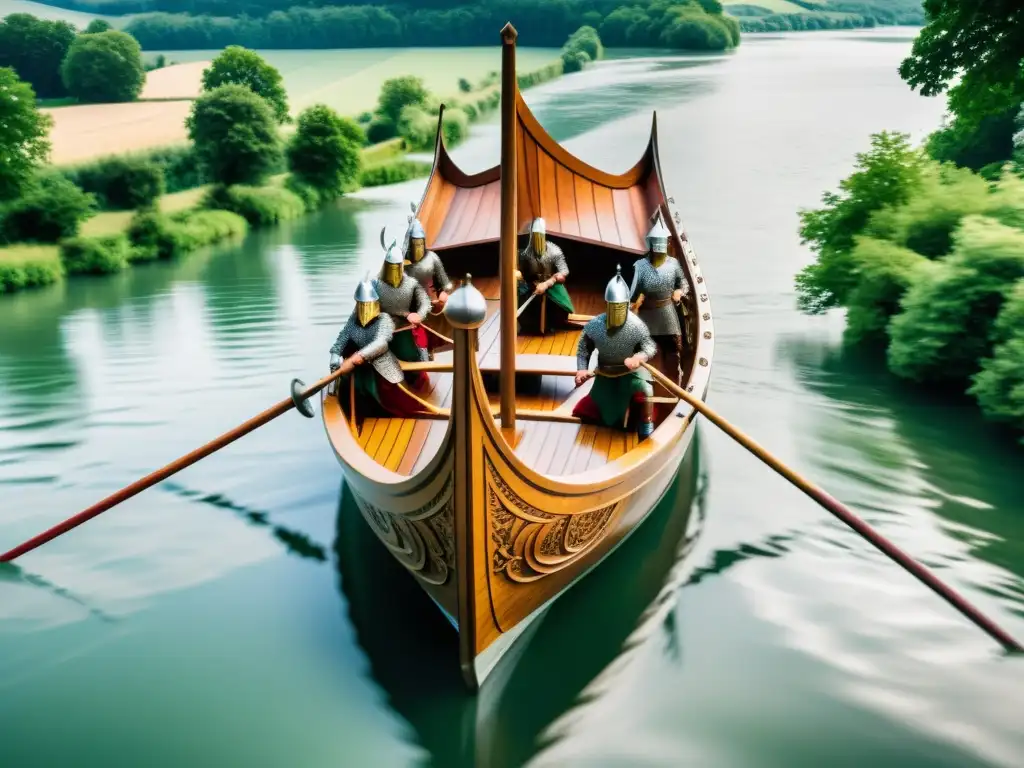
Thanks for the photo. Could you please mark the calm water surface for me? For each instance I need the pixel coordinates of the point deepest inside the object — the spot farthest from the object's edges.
(239, 615)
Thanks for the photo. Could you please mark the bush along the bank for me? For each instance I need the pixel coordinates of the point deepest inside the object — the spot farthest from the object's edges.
(928, 261)
(393, 172)
(28, 266)
(95, 255)
(259, 206)
(155, 235)
(121, 182)
(50, 208)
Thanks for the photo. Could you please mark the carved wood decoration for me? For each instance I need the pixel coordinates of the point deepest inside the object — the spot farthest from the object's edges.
(422, 540)
(529, 544)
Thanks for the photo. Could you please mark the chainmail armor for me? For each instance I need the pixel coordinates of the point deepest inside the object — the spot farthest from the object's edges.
(372, 343)
(408, 297)
(428, 269)
(613, 348)
(657, 284)
(537, 269)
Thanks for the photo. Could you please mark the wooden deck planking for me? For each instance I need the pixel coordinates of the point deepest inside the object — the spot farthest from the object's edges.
(417, 441)
(400, 444)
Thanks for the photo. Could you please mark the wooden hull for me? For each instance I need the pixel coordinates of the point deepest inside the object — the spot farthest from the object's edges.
(621, 609)
(489, 522)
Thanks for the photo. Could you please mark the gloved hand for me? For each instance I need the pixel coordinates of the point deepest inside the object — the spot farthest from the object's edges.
(335, 363)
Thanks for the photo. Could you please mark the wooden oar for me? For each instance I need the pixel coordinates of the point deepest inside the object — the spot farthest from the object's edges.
(299, 399)
(525, 304)
(428, 329)
(838, 509)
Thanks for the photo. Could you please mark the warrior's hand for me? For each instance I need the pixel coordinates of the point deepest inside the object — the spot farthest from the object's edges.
(559, 278)
(677, 295)
(542, 288)
(582, 377)
(413, 318)
(442, 298)
(335, 363)
(357, 359)
(519, 275)
(634, 362)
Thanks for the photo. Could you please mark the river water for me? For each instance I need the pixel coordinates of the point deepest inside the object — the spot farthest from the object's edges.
(236, 615)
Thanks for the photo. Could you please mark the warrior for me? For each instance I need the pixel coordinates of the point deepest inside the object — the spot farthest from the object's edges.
(404, 299)
(659, 278)
(425, 266)
(623, 344)
(364, 340)
(542, 271)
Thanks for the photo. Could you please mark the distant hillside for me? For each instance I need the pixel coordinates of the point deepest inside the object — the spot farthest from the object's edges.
(80, 19)
(800, 15)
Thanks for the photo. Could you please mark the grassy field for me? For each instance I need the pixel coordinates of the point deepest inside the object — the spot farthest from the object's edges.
(775, 6)
(347, 80)
(50, 13)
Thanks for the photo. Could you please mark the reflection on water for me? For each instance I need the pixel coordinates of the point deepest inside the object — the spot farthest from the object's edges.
(201, 623)
(607, 617)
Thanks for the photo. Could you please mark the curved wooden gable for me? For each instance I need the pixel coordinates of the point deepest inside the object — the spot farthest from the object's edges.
(577, 201)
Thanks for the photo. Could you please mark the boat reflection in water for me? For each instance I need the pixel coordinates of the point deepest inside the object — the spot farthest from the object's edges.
(611, 612)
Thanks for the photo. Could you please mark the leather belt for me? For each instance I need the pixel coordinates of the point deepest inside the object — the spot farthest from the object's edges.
(659, 303)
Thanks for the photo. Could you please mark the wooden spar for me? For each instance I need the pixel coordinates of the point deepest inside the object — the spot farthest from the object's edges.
(840, 510)
(509, 227)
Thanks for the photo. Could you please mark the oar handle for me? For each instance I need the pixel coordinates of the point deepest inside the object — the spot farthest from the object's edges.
(428, 329)
(525, 304)
(838, 509)
(164, 472)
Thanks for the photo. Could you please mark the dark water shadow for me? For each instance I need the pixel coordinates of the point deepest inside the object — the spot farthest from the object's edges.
(973, 467)
(413, 650)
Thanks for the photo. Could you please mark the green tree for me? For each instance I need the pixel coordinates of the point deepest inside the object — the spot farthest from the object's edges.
(322, 152)
(105, 67)
(574, 61)
(244, 67)
(982, 42)
(35, 49)
(999, 386)
(587, 40)
(886, 175)
(235, 135)
(23, 134)
(946, 327)
(49, 209)
(398, 93)
(96, 26)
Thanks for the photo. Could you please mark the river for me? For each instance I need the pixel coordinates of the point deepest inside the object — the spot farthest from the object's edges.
(226, 618)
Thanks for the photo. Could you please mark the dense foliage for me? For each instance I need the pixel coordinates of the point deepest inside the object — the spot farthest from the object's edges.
(159, 236)
(104, 67)
(101, 255)
(260, 206)
(35, 50)
(244, 67)
(836, 14)
(324, 153)
(23, 134)
(982, 43)
(926, 259)
(122, 182)
(180, 168)
(49, 208)
(692, 24)
(235, 135)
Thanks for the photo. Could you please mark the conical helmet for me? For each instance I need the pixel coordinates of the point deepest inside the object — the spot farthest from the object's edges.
(538, 235)
(367, 301)
(393, 263)
(417, 246)
(616, 296)
(657, 238)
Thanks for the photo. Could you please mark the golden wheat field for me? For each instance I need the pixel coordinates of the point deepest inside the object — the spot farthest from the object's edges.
(347, 80)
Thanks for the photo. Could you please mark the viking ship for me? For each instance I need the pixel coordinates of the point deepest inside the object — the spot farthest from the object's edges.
(494, 496)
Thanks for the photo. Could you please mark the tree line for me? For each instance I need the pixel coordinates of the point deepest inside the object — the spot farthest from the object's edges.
(685, 24)
(99, 65)
(924, 253)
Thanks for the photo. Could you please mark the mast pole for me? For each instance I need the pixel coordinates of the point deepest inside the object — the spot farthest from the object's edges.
(509, 226)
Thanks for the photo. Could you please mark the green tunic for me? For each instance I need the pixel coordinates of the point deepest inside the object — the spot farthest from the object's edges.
(403, 346)
(366, 382)
(613, 396)
(559, 297)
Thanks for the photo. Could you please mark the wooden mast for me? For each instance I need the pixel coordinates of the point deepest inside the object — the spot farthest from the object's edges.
(509, 227)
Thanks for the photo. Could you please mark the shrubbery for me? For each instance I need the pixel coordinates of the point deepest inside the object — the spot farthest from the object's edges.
(259, 206)
(95, 255)
(49, 209)
(393, 172)
(28, 266)
(122, 182)
(927, 260)
(159, 236)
